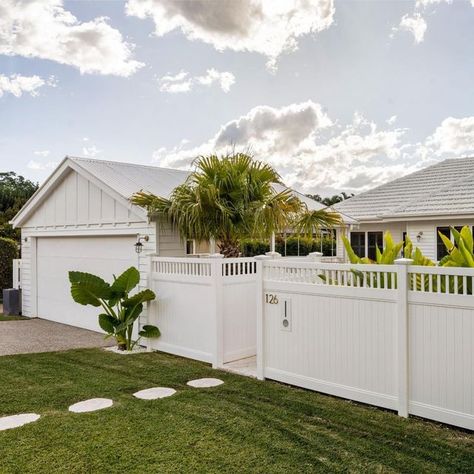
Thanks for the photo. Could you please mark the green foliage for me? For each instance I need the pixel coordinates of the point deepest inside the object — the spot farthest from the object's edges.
(8, 252)
(121, 310)
(14, 192)
(331, 200)
(460, 253)
(294, 246)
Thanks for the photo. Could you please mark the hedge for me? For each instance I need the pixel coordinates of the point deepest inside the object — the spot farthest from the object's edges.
(253, 247)
(8, 251)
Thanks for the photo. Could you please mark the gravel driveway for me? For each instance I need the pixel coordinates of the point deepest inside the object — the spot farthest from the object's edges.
(39, 335)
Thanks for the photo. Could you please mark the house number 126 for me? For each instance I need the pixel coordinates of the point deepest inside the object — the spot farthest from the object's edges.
(271, 299)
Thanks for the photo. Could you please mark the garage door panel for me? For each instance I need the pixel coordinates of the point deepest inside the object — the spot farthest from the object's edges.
(103, 256)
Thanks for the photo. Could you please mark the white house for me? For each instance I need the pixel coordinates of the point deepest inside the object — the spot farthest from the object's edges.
(81, 219)
(418, 205)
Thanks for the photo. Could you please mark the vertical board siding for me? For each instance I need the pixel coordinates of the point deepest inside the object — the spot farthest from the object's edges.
(442, 359)
(194, 294)
(337, 345)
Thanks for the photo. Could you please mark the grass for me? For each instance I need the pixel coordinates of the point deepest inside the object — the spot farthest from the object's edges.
(4, 317)
(241, 426)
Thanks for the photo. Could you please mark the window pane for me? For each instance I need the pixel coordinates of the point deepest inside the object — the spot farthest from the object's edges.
(404, 239)
(441, 250)
(374, 240)
(358, 243)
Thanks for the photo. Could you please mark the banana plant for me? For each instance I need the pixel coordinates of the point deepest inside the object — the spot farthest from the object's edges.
(387, 256)
(460, 254)
(120, 309)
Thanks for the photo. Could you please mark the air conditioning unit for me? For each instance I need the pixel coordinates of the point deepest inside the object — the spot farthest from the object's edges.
(11, 302)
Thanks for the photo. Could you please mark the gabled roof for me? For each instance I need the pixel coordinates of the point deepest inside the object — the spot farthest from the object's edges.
(122, 180)
(446, 188)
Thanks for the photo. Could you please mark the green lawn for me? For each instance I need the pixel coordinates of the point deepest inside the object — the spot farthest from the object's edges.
(10, 318)
(241, 426)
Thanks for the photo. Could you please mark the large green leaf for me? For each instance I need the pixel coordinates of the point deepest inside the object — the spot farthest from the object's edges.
(124, 283)
(141, 297)
(150, 331)
(108, 323)
(88, 289)
(131, 313)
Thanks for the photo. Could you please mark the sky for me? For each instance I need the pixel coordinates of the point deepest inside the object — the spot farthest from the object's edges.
(338, 95)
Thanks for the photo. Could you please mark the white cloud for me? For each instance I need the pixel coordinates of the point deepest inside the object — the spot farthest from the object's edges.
(453, 136)
(43, 153)
(182, 82)
(310, 150)
(37, 166)
(18, 85)
(44, 29)
(392, 120)
(268, 27)
(415, 24)
(90, 151)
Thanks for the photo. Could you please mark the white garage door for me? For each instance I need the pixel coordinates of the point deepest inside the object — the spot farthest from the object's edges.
(102, 256)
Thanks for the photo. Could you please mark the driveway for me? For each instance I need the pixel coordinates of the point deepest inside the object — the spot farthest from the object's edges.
(39, 335)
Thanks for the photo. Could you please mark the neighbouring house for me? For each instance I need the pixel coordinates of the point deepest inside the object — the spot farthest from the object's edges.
(418, 205)
(81, 219)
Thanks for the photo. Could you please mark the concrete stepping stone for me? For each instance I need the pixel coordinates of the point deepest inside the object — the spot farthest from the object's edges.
(15, 421)
(205, 383)
(93, 404)
(154, 393)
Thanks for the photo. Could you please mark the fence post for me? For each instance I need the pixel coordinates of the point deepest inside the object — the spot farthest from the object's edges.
(218, 309)
(402, 334)
(260, 314)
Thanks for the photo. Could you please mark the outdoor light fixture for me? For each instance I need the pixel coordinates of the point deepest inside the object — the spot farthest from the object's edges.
(419, 236)
(138, 244)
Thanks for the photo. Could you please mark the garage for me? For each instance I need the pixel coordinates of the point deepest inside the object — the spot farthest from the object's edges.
(56, 256)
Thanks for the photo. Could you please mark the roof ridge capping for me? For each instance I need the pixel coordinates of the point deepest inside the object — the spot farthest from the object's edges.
(123, 163)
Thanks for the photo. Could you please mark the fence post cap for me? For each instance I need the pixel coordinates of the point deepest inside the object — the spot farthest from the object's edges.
(216, 255)
(404, 261)
(273, 254)
(315, 254)
(262, 257)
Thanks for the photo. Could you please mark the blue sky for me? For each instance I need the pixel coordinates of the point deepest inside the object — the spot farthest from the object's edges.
(337, 95)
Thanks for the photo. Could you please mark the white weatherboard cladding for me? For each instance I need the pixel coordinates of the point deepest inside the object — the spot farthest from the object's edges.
(77, 201)
(56, 256)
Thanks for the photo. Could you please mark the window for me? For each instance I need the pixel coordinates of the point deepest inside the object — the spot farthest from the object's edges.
(374, 240)
(358, 243)
(328, 235)
(190, 247)
(441, 250)
(404, 239)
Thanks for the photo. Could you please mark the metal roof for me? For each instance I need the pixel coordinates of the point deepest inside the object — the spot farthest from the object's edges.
(128, 178)
(446, 188)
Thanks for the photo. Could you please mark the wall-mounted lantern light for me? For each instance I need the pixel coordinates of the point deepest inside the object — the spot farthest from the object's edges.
(138, 244)
(419, 236)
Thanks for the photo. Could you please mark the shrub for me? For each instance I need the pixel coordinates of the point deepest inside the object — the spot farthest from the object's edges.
(8, 251)
(294, 246)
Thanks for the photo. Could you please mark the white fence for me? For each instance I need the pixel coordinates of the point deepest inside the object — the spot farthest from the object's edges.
(396, 336)
(16, 273)
(205, 308)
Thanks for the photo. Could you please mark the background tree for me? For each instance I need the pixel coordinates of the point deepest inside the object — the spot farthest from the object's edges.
(227, 199)
(14, 192)
(329, 201)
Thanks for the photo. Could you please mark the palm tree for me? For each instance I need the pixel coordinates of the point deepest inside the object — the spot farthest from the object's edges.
(226, 199)
(308, 223)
